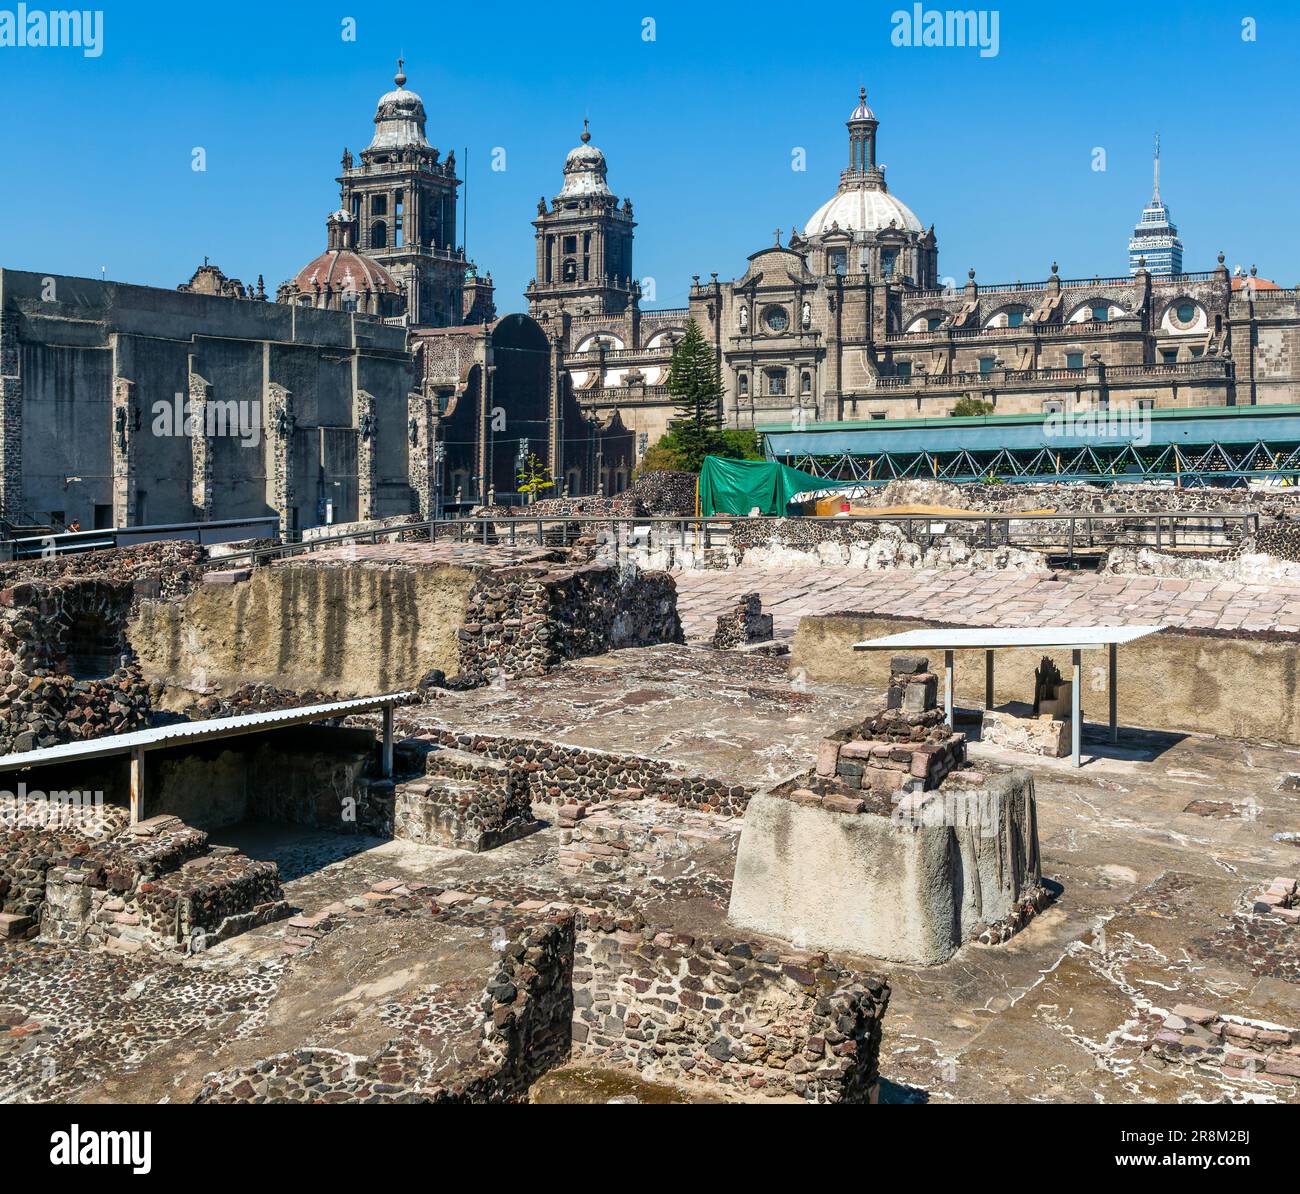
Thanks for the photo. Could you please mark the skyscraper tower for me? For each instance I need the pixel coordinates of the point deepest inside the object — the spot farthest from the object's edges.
(1155, 239)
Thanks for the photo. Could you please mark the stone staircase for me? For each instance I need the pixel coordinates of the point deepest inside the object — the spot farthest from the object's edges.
(158, 885)
(454, 798)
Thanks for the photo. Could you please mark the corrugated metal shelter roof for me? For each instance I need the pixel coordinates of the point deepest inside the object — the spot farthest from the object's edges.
(196, 731)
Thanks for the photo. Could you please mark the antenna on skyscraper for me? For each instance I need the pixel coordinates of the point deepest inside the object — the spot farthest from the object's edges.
(1156, 191)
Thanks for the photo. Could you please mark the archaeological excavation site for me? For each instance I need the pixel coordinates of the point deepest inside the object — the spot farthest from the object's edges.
(590, 802)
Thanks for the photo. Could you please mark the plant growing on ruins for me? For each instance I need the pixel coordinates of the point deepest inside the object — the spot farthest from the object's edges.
(695, 382)
(534, 478)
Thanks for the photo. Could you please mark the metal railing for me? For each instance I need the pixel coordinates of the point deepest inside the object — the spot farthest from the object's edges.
(1067, 534)
(69, 542)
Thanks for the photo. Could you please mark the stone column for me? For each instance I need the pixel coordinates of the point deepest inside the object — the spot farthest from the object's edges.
(486, 432)
(555, 425)
(282, 493)
(421, 474)
(196, 424)
(123, 452)
(363, 406)
(11, 421)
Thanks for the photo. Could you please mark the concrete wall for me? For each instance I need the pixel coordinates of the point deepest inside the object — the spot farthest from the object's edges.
(871, 885)
(1238, 687)
(69, 341)
(355, 630)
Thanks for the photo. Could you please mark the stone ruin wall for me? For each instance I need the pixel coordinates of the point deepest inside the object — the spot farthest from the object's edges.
(739, 1015)
(523, 621)
(43, 702)
(659, 493)
(341, 629)
(346, 628)
(157, 886)
(568, 775)
(153, 886)
(523, 1026)
(597, 987)
(459, 799)
(1074, 496)
(892, 846)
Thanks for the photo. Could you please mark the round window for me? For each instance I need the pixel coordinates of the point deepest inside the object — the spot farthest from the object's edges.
(775, 319)
(1186, 312)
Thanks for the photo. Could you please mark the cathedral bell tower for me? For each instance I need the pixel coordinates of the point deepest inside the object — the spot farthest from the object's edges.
(584, 243)
(402, 197)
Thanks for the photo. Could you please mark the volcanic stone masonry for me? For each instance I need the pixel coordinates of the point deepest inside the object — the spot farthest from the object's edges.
(69, 670)
(461, 800)
(1238, 1048)
(593, 985)
(154, 885)
(745, 624)
(1281, 900)
(891, 846)
(522, 621)
(741, 1015)
(569, 775)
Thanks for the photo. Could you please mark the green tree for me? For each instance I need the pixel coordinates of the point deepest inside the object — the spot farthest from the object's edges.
(662, 455)
(741, 445)
(695, 382)
(970, 407)
(534, 478)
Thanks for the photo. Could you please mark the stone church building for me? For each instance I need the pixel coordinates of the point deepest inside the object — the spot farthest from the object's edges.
(850, 319)
(382, 380)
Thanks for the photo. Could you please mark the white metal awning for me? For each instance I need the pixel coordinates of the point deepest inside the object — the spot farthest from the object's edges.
(989, 638)
(184, 732)
(138, 742)
(1075, 639)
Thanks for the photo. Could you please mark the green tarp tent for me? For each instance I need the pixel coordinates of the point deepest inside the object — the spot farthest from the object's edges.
(737, 486)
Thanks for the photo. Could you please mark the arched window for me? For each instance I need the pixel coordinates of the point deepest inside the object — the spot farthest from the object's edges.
(379, 235)
(805, 383)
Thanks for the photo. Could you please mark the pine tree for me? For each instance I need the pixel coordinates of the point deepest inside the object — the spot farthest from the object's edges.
(695, 382)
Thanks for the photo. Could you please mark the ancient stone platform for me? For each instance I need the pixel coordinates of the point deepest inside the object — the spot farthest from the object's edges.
(1160, 854)
(964, 597)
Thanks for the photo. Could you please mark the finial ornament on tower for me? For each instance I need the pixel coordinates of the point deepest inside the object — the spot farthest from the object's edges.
(400, 77)
(586, 131)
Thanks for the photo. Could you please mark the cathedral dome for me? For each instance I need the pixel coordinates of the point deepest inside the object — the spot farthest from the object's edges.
(399, 118)
(585, 170)
(343, 270)
(862, 208)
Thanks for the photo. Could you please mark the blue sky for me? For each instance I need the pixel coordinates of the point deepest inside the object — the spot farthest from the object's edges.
(698, 124)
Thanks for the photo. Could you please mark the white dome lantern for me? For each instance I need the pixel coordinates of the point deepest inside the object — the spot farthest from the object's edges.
(585, 170)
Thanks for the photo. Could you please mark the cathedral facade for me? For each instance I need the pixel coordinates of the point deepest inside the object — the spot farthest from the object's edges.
(848, 318)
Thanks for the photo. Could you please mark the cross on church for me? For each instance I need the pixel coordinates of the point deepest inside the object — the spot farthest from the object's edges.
(778, 236)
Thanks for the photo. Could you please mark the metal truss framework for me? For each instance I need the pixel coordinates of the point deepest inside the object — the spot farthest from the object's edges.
(1186, 464)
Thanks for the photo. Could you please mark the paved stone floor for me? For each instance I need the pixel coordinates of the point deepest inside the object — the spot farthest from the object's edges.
(988, 598)
(1157, 850)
